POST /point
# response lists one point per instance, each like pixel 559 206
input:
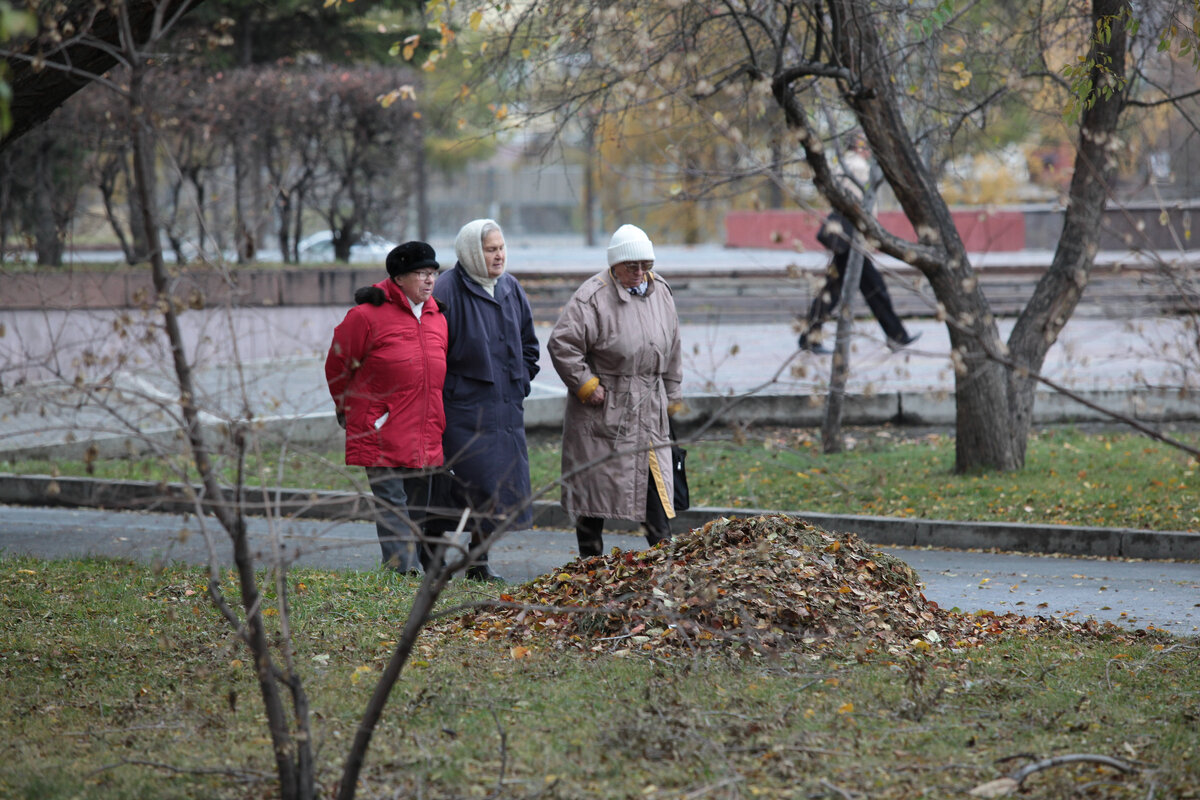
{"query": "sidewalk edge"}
pixel 1069 540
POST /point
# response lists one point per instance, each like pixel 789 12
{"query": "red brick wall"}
pixel 982 231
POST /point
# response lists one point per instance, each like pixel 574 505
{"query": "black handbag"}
pixel 679 474
pixel 678 455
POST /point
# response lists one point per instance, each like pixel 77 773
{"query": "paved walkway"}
pixel 270 361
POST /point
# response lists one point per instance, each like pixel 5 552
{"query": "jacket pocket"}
pixel 609 421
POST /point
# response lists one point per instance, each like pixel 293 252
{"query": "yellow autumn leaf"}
pixel 518 652
pixel 410 46
pixel 475 20
pixel 846 708
pixel 358 673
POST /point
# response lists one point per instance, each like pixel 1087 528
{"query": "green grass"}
pixel 1071 477
pixel 121 683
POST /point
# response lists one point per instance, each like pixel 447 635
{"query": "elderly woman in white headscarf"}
pixel 490 365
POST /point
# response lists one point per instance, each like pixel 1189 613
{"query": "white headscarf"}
pixel 468 248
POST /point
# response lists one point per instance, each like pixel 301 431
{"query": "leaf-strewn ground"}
pixel 759 657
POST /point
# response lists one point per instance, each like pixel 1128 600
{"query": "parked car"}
pixel 370 248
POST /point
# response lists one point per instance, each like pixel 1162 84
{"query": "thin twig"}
pixel 1071 758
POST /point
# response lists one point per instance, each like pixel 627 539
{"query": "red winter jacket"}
pixel 385 370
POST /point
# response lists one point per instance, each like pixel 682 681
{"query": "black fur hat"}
pixel 410 257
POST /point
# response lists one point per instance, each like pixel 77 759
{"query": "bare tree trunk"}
pixel 983 439
pixel 1058 292
pixel 422 607
pixel 422 184
pixel 139 236
pixel 292 753
pixel 589 182
pixel 47 238
pixel 832 440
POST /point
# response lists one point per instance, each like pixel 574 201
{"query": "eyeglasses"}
pixel 634 267
pixel 425 274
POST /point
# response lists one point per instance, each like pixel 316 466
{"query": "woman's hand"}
pixel 596 398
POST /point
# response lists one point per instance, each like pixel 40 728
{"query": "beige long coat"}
pixel 629 345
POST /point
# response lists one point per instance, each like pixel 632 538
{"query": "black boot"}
pixel 433 551
pixel 482 572
pixel 809 346
pixel 589 532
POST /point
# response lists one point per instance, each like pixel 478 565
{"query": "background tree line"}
pixel 270 120
pixel 241 152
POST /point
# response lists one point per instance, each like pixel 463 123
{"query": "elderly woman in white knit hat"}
pixel 616 347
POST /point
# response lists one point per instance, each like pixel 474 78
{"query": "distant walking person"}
pixel 385 371
pixel 836 236
pixel 616 347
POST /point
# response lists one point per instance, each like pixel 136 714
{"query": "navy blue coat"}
pixel 491 361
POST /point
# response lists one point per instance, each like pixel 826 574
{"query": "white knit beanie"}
pixel 629 243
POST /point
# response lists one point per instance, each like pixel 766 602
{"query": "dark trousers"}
pixel 589 530
pixel 873 289
pixel 455 496
pixel 400 519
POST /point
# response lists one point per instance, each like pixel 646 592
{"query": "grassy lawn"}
pixel 1071 477
pixel 121 682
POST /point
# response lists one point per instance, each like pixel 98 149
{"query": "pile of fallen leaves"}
pixel 762 584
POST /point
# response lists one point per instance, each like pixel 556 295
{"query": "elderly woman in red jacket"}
pixel 385 370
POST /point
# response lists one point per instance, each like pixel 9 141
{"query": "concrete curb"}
pixel 43 490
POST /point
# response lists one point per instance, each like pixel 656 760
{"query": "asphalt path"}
pixel 1132 594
